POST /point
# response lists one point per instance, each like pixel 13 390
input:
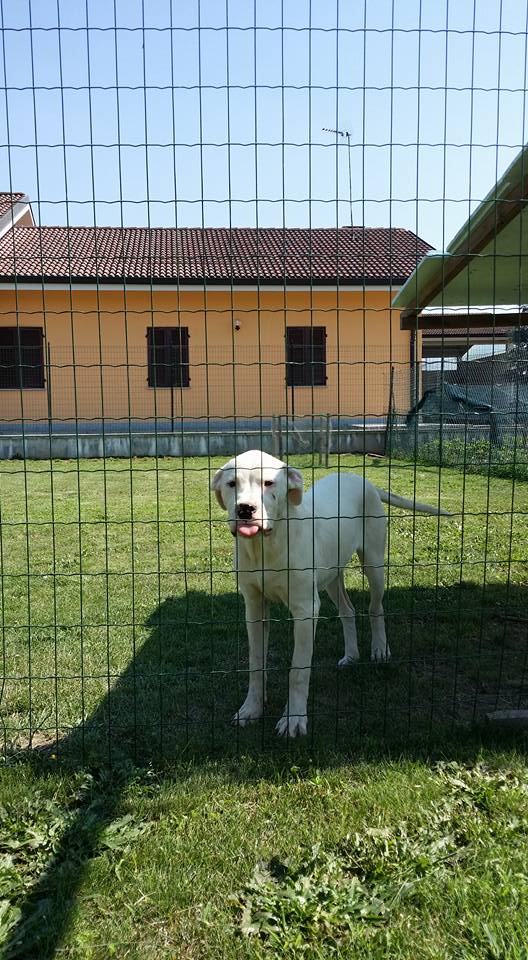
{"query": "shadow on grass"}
pixel 458 652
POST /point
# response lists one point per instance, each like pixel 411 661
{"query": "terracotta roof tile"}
pixel 192 255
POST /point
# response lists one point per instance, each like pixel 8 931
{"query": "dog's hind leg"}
pixel 337 593
pixel 372 557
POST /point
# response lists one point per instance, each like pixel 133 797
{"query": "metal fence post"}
pixel 48 387
pixel 276 436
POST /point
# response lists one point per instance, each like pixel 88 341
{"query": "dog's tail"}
pixel 415 505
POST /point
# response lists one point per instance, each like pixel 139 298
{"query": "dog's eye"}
pixel 268 483
pixel 231 483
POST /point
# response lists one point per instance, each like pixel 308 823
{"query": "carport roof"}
pixel 329 256
pixel 486 261
pixel 468 331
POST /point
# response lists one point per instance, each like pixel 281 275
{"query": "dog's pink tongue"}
pixel 247 529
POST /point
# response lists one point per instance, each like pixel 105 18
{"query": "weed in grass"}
pixel 32 836
pixel 376 859
pixel 31 832
pixel 321 902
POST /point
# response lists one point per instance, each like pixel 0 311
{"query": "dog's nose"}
pixel 245 511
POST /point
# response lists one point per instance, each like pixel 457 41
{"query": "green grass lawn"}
pixel 123 638
pixel 120 609
pixel 399 858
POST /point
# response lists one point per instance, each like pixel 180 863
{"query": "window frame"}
pixel 175 371
pixel 24 375
pixel 310 370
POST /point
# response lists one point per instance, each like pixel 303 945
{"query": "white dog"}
pixel 290 548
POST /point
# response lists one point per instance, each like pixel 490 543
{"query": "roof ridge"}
pixel 227 230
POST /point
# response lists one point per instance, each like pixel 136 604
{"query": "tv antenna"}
pixel 346 134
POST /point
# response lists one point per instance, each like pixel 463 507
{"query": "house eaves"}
pixel 12 209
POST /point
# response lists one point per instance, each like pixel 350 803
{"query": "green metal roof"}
pixel 486 263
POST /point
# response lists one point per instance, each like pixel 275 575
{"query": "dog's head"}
pixel 256 489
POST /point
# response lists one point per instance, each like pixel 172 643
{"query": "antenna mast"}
pixel 346 134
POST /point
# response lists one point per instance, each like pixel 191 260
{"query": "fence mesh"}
pixel 218 226
pixel 206 219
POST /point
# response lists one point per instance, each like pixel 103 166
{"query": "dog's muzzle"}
pixel 245 511
pixel 246 524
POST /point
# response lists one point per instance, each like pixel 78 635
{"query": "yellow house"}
pixel 141 326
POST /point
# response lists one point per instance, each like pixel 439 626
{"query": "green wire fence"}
pixel 207 216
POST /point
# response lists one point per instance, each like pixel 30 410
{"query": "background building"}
pixel 142 325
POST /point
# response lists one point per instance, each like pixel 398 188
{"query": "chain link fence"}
pixel 471 412
pixel 368 393
pixel 105 400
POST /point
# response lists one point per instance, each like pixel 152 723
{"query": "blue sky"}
pixel 211 113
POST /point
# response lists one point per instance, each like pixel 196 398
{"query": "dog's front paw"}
pixel 348 659
pixel 380 654
pixel 249 712
pixel 292 725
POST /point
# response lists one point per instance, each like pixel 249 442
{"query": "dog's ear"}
pixel 216 485
pixel 295 486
